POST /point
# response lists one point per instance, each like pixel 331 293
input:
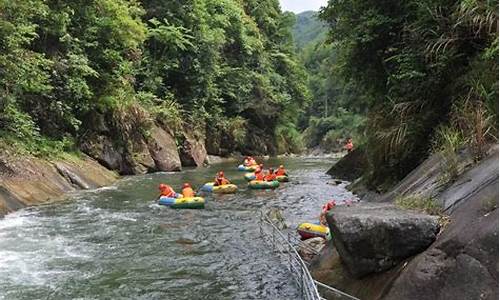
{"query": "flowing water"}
pixel 117 243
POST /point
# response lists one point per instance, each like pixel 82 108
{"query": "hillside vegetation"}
pixel 225 69
pixel 424 74
pixel 333 114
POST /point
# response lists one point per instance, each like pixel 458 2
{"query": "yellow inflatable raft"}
pixel 310 230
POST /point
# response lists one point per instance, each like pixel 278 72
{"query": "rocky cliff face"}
pixel 462 262
pixel 127 143
pixel 26 181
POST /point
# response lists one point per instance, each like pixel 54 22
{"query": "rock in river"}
pixel 372 238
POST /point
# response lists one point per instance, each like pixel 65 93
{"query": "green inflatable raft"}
pixel 261 185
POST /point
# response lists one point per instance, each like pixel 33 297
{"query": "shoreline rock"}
pixel 27 181
pixel 462 263
pixel 372 238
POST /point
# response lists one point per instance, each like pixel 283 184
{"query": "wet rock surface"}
pixel 32 181
pixel 371 238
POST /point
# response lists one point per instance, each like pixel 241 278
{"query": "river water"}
pixel 117 243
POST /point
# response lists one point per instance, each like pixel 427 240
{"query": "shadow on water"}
pixel 117 243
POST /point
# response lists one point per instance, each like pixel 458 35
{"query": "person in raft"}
pixel 270 176
pixel 167 191
pixel 259 174
pixel 324 210
pixel 187 191
pixel 281 171
pixel 249 161
pixel 349 146
pixel 220 179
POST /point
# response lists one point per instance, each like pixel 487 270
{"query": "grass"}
pixel 447 142
pixel 424 204
pixel 39 146
pixel 490 205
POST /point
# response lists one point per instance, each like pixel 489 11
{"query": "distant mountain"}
pixel 308 28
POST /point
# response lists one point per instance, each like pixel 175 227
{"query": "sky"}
pixel 298 6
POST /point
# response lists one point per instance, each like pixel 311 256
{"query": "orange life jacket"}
pixel 221 181
pixel 187 192
pixel 280 172
pixel 259 175
pixel 168 191
pixel 270 177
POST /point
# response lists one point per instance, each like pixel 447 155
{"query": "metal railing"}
pixel 282 246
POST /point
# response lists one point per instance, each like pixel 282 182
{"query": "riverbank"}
pixel 403 260
pixel 27 180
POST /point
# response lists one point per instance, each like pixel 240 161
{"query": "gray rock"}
pixel 193 152
pixel 142 160
pixel 310 248
pixel 470 182
pixel 372 238
pixel 463 262
pixel 163 150
pixel 350 167
pixel 102 149
pixel 71 176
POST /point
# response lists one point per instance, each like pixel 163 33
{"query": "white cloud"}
pixel 298 6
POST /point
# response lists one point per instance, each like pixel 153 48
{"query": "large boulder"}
pixel 142 160
pixel 372 238
pixel 107 153
pixel 351 166
pixel 327 267
pixel 163 150
pixel 193 152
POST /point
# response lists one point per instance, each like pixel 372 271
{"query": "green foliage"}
pixel 332 115
pixel 413 63
pixel 424 204
pixel 308 29
pixel 448 141
pixel 203 63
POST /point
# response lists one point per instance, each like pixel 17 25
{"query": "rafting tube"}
pixel 310 230
pixel 249 176
pixel 219 189
pixel 187 202
pixel 247 168
pixel 282 178
pixel 259 184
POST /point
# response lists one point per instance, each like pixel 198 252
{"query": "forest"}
pixel 404 79
pixel 225 69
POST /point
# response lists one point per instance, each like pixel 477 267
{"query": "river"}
pixel 117 243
